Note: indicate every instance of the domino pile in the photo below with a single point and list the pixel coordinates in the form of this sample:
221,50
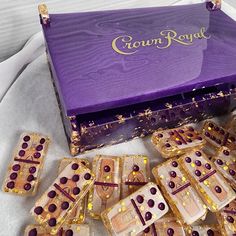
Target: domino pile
198,176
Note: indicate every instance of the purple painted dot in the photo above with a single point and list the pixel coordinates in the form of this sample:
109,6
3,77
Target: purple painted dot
198,163
38,210
171,133
69,232
232,172
148,215
63,180
153,191
161,206
181,131
33,232
147,230
75,166
140,199
219,162
13,176
16,167
52,208
76,191
10,185
189,140
30,178
226,153
188,159
170,232
167,145
213,137
191,129
42,140
173,174
198,153
21,153
210,232
39,148
52,194
135,168
27,187
222,131
32,169
52,222
107,168
160,135
195,233
151,203
87,176
208,166
24,145
65,205
218,141
199,138
75,178
216,128
190,135
171,184
230,219
218,189
179,142
207,134
174,163
26,138
37,155
198,173
211,125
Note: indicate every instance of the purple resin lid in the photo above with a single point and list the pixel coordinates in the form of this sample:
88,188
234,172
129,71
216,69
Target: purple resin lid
110,59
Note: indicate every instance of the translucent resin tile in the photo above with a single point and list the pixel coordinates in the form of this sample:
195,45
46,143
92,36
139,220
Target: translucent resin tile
182,197
227,219
136,212
106,189
68,230
78,214
211,185
225,162
166,226
217,136
24,171
135,173
61,198
204,230
175,142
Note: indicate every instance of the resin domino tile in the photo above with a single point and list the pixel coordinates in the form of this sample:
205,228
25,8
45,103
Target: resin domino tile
67,230
225,161
135,173
227,219
209,182
106,189
135,213
217,137
77,216
53,208
180,193
23,173
204,230
175,142
166,226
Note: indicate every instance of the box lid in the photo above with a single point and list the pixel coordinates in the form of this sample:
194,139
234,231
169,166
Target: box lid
110,59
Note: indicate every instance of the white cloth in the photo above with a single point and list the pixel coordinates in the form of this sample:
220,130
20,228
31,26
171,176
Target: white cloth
28,103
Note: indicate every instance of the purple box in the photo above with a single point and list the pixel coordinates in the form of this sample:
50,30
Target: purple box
122,74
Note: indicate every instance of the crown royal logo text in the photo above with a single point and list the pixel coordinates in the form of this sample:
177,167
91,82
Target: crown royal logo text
125,44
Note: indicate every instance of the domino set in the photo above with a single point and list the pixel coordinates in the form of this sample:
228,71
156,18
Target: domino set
118,189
